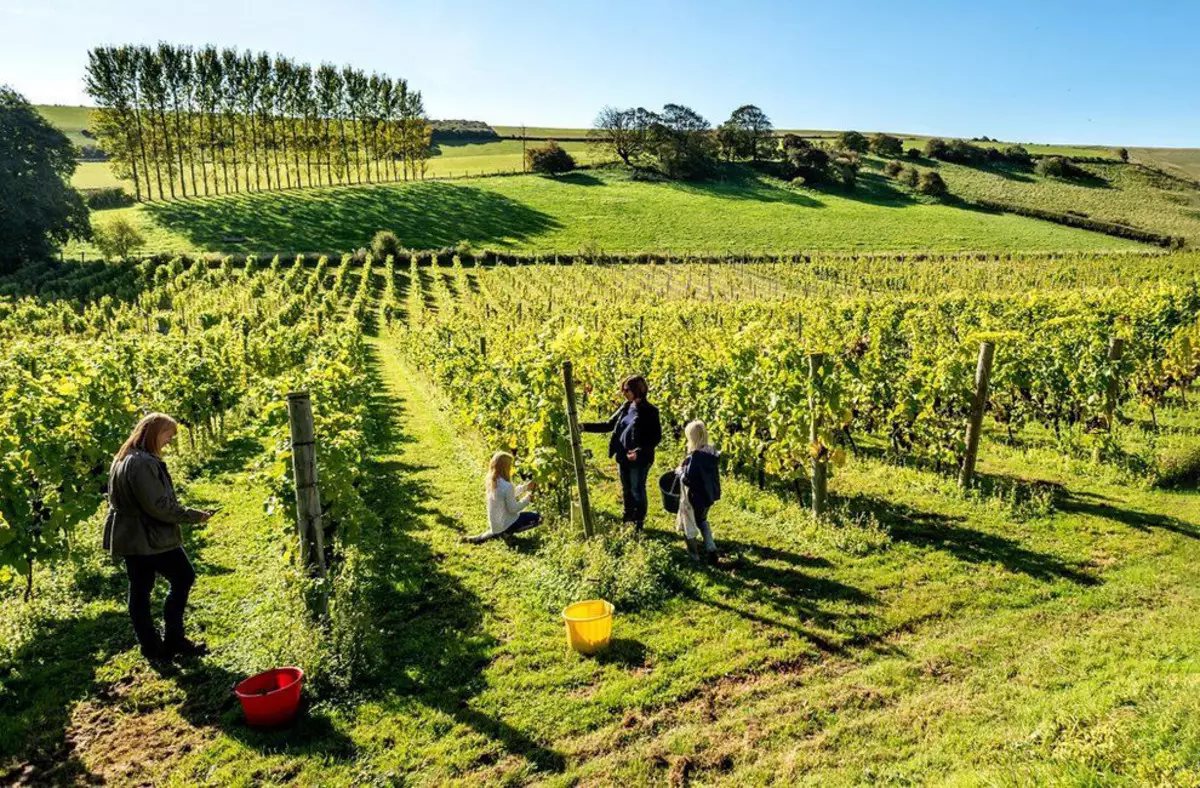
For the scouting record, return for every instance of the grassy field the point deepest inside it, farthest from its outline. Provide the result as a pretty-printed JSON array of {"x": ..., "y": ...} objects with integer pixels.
[
  {"x": 70, "y": 121},
  {"x": 957, "y": 639},
  {"x": 602, "y": 209},
  {"x": 1125, "y": 194}
]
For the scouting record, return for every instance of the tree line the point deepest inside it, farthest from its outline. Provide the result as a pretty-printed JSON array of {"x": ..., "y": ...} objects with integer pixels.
[{"x": 179, "y": 122}]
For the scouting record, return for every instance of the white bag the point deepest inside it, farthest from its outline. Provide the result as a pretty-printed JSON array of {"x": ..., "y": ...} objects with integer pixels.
[{"x": 686, "y": 519}]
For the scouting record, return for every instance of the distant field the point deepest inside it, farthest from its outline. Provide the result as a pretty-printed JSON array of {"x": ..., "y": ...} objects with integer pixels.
[
  {"x": 70, "y": 120},
  {"x": 602, "y": 210}
]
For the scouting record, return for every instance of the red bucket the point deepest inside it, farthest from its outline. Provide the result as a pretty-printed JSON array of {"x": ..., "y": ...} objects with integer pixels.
[{"x": 271, "y": 698}]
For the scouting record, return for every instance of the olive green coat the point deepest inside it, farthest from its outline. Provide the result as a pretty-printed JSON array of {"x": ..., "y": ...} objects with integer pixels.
[{"x": 143, "y": 512}]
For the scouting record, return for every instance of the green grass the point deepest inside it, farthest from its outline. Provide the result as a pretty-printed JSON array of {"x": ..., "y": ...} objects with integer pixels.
[
  {"x": 952, "y": 639},
  {"x": 600, "y": 210},
  {"x": 1126, "y": 194},
  {"x": 70, "y": 121}
]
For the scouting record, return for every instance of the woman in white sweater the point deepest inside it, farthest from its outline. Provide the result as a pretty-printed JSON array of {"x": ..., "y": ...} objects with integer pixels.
[{"x": 506, "y": 504}]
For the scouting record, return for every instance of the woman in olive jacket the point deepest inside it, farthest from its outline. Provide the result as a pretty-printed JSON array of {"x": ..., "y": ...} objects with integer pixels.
[
  {"x": 142, "y": 527},
  {"x": 636, "y": 432}
]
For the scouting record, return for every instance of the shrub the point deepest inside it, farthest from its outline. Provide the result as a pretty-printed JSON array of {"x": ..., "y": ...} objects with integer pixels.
[
  {"x": 385, "y": 243},
  {"x": 549, "y": 159},
  {"x": 1123, "y": 154},
  {"x": 621, "y": 566},
  {"x": 117, "y": 238},
  {"x": 932, "y": 185},
  {"x": 913, "y": 153},
  {"x": 1017, "y": 155},
  {"x": 852, "y": 141},
  {"x": 935, "y": 147},
  {"x": 909, "y": 176},
  {"x": 102, "y": 199},
  {"x": 808, "y": 162},
  {"x": 893, "y": 168},
  {"x": 886, "y": 145},
  {"x": 844, "y": 168},
  {"x": 1060, "y": 167}
]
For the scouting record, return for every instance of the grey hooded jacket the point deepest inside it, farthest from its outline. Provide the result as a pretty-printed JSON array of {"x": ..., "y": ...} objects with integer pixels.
[{"x": 143, "y": 512}]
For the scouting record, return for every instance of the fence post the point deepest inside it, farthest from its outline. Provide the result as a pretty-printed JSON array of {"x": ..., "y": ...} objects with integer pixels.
[
  {"x": 1116, "y": 350},
  {"x": 308, "y": 496},
  {"x": 483, "y": 347},
  {"x": 820, "y": 474},
  {"x": 983, "y": 376},
  {"x": 585, "y": 505}
]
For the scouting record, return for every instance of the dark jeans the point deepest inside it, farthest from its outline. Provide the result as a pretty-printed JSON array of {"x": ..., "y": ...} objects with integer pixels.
[
  {"x": 633, "y": 491},
  {"x": 143, "y": 570},
  {"x": 525, "y": 521}
]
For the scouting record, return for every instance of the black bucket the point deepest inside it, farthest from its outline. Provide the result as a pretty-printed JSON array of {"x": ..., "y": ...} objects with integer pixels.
[{"x": 669, "y": 486}]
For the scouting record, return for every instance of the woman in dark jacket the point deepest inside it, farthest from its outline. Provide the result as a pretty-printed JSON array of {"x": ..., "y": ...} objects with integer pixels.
[
  {"x": 142, "y": 527},
  {"x": 700, "y": 473},
  {"x": 635, "y": 433}
]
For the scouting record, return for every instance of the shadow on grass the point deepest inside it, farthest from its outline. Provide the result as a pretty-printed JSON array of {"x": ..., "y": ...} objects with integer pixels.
[
  {"x": 41, "y": 684},
  {"x": 434, "y": 646},
  {"x": 766, "y": 585},
  {"x": 1083, "y": 503},
  {"x": 425, "y": 215},
  {"x": 945, "y": 533}
]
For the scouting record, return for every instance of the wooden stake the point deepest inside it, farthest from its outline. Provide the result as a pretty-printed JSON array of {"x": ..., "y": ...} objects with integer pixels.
[
  {"x": 820, "y": 470},
  {"x": 308, "y": 497},
  {"x": 983, "y": 376},
  {"x": 577, "y": 450},
  {"x": 483, "y": 347},
  {"x": 1116, "y": 350}
]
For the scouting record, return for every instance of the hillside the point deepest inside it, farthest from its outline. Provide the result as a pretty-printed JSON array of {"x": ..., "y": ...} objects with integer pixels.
[{"x": 600, "y": 210}]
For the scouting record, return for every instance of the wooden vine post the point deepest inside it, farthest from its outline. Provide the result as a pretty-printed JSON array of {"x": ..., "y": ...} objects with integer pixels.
[
  {"x": 585, "y": 505},
  {"x": 820, "y": 468},
  {"x": 983, "y": 377},
  {"x": 308, "y": 497},
  {"x": 1116, "y": 351}
]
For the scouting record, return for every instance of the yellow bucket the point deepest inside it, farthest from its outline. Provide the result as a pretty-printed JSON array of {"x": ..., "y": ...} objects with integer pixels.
[{"x": 589, "y": 625}]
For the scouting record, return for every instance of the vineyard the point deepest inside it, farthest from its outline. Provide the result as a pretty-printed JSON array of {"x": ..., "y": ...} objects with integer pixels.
[{"x": 808, "y": 653}]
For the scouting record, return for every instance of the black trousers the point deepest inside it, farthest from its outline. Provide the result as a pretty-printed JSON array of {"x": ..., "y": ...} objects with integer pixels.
[{"x": 143, "y": 570}]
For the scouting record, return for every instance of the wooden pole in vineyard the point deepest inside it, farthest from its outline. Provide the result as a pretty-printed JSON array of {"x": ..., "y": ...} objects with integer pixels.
[
  {"x": 1116, "y": 350},
  {"x": 308, "y": 496},
  {"x": 983, "y": 376},
  {"x": 585, "y": 505},
  {"x": 820, "y": 476}
]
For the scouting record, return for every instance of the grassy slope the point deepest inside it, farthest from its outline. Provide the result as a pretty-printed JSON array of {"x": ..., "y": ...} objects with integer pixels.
[
  {"x": 1128, "y": 194},
  {"x": 599, "y": 209},
  {"x": 70, "y": 121}
]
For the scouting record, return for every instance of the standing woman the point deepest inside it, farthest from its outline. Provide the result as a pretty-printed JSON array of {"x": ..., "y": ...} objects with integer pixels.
[
  {"x": 636, "y": 432},
  {"x": 142, "y": 527}
]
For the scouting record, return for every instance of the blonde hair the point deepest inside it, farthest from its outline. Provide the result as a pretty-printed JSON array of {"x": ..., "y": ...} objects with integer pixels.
[
  {"x": 146, "y": 436},
  {"x": 697, "y": 435},
  {"x": 500, "y": 467}
]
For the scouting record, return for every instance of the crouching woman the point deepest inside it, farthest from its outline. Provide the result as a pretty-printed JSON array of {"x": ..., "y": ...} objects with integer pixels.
[
  {"x": 506, "y": 504},
  {"x": 142, "y": 527}
]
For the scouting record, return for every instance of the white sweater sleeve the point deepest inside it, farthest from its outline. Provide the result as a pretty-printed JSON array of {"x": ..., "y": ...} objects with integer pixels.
[{"x": 511, "y": 501}]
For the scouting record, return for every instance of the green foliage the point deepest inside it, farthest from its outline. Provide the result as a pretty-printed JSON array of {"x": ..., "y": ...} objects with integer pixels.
[
  {"x": 109, "y": 197},
  {"x": 1018, "y": 155},
  {"x": 385, "y": 243},
  {"x": 621, "y": 566},
  {"x": 549, "y": 159},
  {"x": 886, "y": 145},
  {"x": 41, "y": 210},
  {"x": 909, "y": 176},
  {"x": 932, "y": 185},
  {"x": 893, "y": 168},
  {"x": 852, "y": 141},
  {"x": 117, "y": 238},
  {"x": 1060, "y": 167}
]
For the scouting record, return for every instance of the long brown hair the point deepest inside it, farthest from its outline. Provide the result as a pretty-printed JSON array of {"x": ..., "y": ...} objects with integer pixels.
[
  {"x": 146, "y": 434},
  {"x": 635, "y": 385}
]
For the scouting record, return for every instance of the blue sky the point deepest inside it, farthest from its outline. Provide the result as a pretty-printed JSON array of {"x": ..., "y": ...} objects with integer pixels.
[{"x": 1084, "y": 72}]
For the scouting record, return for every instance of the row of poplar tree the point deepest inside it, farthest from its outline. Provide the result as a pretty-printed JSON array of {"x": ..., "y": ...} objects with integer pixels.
[{"x": 181, "y": 123}]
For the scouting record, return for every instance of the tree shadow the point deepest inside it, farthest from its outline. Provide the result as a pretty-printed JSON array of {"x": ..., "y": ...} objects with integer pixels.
[
  {"x": 751, "y": 575},
  {"x": 41, "y": 684},
  {"x": 434, "y": 646},
  {"x": 578, "y": 178},
  {"x": 934, "y": 531},
  {"x": 741, "y": 184},
  {"x": 426, "y": 215},
  {"x": 1084, "y": 503}
]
